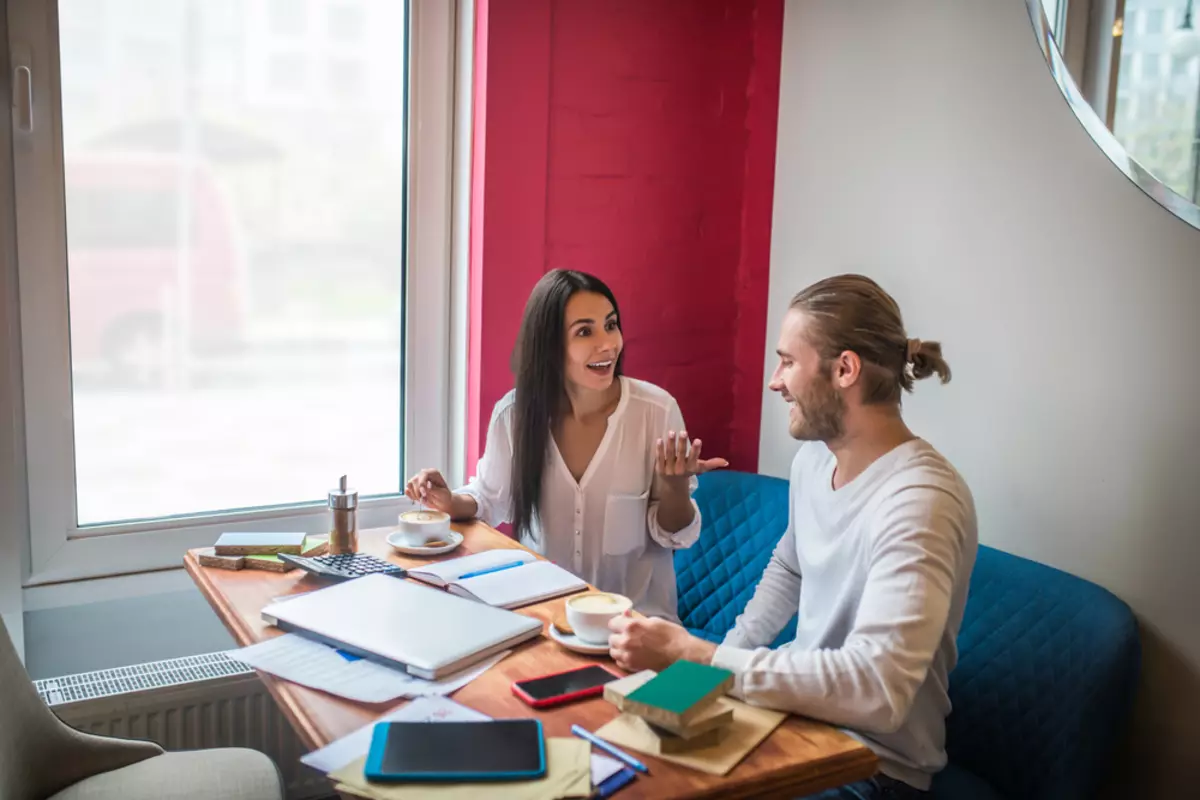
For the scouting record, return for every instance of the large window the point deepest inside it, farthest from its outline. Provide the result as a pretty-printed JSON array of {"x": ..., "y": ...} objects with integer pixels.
[
  {"x": 224, "y": 292},
  {"x": 1056, "y": 11},
  {"x": 1156, "y": 105},
  {"x": 1137, "y": 64}
]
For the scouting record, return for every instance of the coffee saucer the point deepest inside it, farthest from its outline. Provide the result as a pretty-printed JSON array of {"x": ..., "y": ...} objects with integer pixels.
[
  {"x": 573, "y": 642},
  {"x": 398, "y": 539}
]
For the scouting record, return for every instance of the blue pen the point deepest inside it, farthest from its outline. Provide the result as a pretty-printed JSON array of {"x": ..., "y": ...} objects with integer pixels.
[
  {"x": 615, "y": 782},
  {"x": 610, "y": 749},
  {"x": 479, "y": 572}
]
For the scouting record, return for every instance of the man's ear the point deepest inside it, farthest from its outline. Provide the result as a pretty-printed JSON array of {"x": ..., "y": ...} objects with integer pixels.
[{"x": 847, "y": 369}]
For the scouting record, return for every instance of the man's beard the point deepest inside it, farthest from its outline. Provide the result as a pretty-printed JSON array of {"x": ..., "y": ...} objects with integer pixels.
[{"x": 821, "y": 410}]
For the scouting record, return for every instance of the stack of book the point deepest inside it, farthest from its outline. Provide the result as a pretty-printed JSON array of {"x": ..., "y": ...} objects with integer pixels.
[
  {"x": 261, "y": 550},
  {"x": 681, "y": 706}
]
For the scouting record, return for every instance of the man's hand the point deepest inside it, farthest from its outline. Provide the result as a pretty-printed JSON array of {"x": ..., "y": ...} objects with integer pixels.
[{"x": 638, "y": 643}]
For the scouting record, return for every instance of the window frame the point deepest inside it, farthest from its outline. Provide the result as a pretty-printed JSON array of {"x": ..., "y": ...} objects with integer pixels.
[{"x": 59, "y": 550}]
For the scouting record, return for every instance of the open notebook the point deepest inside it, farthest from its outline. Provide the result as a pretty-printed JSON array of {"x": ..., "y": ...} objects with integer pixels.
[{"x": 531, "y": 582}]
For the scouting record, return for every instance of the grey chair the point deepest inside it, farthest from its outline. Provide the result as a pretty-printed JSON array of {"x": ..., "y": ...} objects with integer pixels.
[{"x": 42, "y": 757}]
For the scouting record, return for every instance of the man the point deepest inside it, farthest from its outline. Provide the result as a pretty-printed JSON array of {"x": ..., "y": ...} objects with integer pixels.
[{"x": 877, "y": 555}]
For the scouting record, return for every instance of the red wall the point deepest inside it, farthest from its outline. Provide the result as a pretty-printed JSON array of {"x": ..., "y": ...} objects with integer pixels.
[{"x": 634, "y": 139}]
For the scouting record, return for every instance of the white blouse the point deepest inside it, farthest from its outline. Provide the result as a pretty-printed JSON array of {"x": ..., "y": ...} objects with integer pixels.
[{"x": 605, "y": 527}]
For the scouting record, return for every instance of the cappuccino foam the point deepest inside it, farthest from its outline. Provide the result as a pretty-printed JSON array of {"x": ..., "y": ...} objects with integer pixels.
[{"x": 597, "y": 603}]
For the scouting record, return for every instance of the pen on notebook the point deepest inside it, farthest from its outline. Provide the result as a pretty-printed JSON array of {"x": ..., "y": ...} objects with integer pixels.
[
  {"x": 610, "y": 749},
  {"x": 479, "y": 572}
]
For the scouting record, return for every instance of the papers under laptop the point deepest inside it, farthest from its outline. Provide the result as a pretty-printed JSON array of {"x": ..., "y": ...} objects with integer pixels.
[{"x": 424, "y": 631}]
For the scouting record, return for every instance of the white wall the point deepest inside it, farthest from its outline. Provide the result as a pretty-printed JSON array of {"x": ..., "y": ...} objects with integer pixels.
[
  {"x": 924, "y": 143},
  {"x": 13, "y": 506}
]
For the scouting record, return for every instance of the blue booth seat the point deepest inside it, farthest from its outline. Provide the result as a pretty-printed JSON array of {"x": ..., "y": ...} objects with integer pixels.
[{"x": 1048, "y": 662}]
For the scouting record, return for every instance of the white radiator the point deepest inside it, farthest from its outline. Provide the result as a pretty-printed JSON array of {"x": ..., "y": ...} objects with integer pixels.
[{"x": 186, "y": 704}]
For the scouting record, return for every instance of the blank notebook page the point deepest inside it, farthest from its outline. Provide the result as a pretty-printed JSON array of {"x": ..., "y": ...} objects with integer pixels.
[
  {"x": 530, "y": 583},
  {"x": 442, "y": 572}
]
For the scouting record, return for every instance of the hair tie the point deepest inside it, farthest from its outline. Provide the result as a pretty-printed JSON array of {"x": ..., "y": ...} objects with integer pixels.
[{"x": 911, "y": 350}]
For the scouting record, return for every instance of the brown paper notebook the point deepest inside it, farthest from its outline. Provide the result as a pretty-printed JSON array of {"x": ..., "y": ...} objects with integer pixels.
[
  {"x": 568, "y": 774},
  {"x": 670, "y": 743},
  {"x": 749, "y": 727},
  {"x": 259, "y": 544},
  {"x": 208, "y": 558}
]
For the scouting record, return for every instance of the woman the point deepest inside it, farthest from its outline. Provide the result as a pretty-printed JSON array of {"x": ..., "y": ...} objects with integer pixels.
[{"x": 593, "y": 470}]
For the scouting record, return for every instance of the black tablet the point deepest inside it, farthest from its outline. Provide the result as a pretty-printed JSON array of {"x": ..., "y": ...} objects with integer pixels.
[{"x": 488, "y": 750}]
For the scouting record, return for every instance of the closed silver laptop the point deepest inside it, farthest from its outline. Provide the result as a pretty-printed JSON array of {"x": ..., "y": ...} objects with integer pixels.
[{"x": 426, "y": 632}]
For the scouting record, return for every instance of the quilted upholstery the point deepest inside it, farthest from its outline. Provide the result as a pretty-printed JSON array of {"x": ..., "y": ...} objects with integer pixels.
[
  {"x": 1048, "y": 665},
  {"x": 744, "y": 517},
  {"x": 1047, "y": 668}
]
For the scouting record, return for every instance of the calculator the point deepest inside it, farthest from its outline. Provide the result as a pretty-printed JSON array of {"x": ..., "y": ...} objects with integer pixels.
[{"x": 344, "y": 567}]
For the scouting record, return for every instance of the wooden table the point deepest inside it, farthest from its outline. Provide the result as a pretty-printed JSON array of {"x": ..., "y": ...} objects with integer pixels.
[{"x": 799, "y": 758}]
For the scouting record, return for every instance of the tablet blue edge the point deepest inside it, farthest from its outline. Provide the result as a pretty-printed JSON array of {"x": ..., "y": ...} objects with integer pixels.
[{"x": 373, "y": 770}]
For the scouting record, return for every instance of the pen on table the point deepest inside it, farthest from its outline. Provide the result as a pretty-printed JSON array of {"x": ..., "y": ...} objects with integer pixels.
[
  {"x": 615, "y": 782},
  {"x": 610, "y": 749},
  {"x": 479, "y": 572}
]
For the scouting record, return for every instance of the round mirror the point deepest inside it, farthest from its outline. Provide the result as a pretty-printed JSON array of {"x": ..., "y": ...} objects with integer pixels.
[{"x": 1130, "y": 70}]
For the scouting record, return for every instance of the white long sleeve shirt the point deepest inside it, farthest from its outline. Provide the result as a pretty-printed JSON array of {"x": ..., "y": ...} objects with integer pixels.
[
  {"x": 604, "y": 528},
  {"x": 878, "y": 570}
]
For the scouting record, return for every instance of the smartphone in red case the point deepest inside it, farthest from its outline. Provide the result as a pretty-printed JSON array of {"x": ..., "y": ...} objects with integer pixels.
[{"x": 563, "y": 687}]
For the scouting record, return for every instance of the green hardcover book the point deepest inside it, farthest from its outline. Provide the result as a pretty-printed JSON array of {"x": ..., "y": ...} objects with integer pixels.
[
  {"x": 315, "y": 545},
  {"x": 677, "y": 695},
  {"x": 716, "y": 714}
]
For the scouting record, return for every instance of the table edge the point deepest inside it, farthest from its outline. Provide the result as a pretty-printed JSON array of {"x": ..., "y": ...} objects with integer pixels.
[{"x": 280, "y": 690}]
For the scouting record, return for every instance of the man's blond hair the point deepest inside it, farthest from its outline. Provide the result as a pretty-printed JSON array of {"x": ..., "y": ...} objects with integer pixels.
[{"x": 852, "y": 312}]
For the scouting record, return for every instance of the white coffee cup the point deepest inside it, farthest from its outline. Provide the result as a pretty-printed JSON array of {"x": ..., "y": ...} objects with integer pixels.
[
  {"x": 588, "y": 614},
  {"x": 423, "y": 526}
]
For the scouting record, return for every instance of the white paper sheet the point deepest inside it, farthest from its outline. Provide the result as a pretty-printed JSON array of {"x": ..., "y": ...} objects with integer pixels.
[
  {"x": 341, "y": 752},
  {"x": 451, "y": 683},
  {"x": 283, "y": 597},
  {"x": 604, "y": 768},
  {"x": 319, "y": 666}
]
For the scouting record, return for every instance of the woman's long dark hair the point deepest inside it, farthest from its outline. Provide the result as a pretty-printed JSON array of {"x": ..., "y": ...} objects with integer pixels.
[{"x": 541, "y": 395}]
